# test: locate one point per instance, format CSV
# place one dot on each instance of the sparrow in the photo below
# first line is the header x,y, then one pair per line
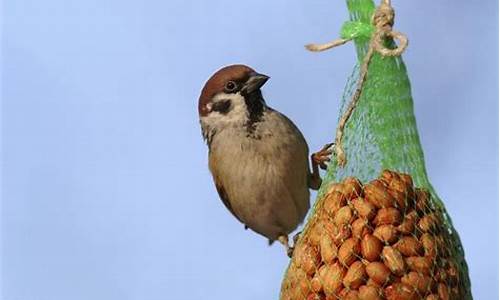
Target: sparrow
x,y
257,156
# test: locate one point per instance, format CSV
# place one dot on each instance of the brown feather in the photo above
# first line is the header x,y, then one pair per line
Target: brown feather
x,y
225,199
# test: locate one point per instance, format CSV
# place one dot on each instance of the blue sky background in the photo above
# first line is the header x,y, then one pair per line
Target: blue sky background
x,y
105,188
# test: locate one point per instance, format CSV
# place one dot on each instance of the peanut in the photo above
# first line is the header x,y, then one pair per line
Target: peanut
x,y
376,193
328,249
364,208
356,276
343,216
409,246
386,233
387,216
419,264
349,251
371,247
367,292
393,260
378,272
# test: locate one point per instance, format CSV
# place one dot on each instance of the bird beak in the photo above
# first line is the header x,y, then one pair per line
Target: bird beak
x,y
254,83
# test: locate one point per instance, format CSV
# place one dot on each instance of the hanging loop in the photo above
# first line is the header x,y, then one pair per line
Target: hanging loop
x,y
378,43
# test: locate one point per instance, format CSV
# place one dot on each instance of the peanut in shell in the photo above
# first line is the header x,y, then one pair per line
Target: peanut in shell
x,y
360,227
408,224
349,251
400,291
387,176
364,209
371,248
422,202
316,285
401,199
341,234
328,249
297,293
352,188
304,286
301,289
402,192
419,264
406,178
317,230
427,223
377,194
409,246
347,294
429,246
333,202
356,275
343,216
367,292
373,283
422,283
308,259
393,260
378,272
386,233
332,277
335,187
387,216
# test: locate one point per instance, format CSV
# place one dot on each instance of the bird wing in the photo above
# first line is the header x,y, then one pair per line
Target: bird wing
x,y
219,185
298,153
225,199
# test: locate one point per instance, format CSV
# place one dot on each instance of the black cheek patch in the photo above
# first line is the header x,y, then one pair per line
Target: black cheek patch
x,y
222,106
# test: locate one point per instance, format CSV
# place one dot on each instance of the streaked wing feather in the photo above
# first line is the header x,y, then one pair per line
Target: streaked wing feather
x,y
225,199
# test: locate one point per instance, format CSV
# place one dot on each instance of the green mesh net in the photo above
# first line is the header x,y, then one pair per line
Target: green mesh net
x,y
427,260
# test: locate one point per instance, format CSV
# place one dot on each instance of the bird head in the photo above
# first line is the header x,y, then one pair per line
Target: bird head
x,y
231,96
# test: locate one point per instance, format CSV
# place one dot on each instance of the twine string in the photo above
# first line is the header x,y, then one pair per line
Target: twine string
x,y
383,20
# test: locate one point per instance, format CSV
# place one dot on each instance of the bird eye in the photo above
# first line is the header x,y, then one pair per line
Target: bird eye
x,y
230,86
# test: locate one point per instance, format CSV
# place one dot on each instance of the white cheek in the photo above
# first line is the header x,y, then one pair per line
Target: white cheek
x,y
237,115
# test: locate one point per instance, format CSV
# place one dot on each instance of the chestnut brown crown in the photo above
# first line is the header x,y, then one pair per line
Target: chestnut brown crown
x,y
219,81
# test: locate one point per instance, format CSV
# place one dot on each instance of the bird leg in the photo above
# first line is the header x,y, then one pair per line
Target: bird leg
x,y
319,159
283,239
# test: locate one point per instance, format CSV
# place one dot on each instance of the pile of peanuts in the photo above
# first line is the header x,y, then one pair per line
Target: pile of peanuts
x,y
383,240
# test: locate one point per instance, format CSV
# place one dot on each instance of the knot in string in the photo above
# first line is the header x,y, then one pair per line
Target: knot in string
x,y
383,16
383,20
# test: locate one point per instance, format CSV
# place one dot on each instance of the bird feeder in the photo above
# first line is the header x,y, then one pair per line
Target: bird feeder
x,y
378,229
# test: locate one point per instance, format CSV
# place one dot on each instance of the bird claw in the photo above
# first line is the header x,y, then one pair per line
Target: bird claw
x,y
290,249
323,156
296,238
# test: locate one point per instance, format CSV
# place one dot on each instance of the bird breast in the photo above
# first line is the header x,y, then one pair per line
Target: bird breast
x,y
264,175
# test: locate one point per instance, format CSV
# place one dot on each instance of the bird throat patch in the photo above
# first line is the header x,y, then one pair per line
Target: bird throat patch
x,y
255,106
